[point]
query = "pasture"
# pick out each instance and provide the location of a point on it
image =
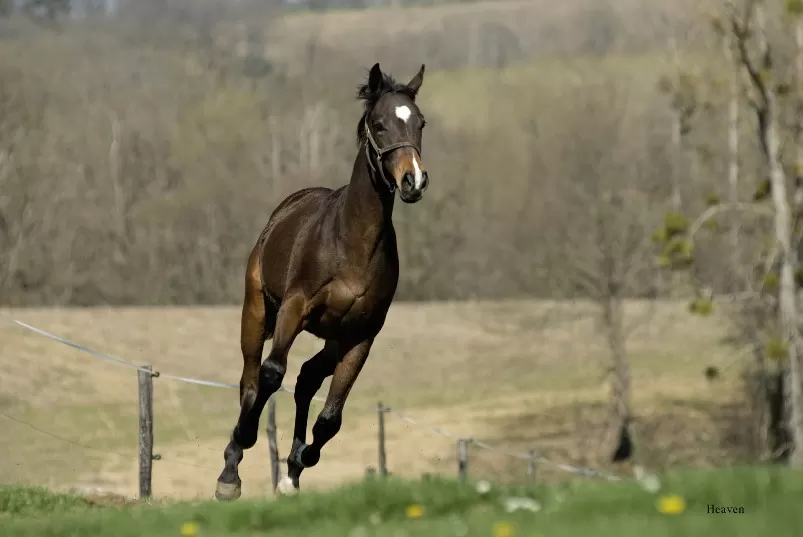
(441, 508)
(518, 374)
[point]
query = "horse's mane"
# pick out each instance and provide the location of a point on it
(370, 97)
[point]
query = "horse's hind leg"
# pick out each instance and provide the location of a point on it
(330, 419)
(258, 382)
(313, 372)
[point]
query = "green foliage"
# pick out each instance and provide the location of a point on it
(678, 246)
(711, 225)
(701, 306)
(660, 236)
(794, 7)
(676, 223)
(763, 190)
(712, 199)
(23, 500)
(776, 349)
(799, 277)
(677, 252)
(771, 282)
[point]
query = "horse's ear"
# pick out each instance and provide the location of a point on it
(374, 78)
(417, 80)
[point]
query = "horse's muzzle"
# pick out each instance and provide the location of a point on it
(409, 191)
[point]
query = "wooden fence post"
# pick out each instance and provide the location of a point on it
(531, 466)
(462, 458)
(383, 463)
(273, 445)
(145, 381)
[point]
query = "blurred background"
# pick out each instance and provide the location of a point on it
(550, 295)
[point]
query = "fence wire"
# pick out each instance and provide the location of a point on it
(538, 458)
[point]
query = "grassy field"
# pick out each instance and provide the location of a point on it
(521, 375)
(766, 502)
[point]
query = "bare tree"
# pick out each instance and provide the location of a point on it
(605, 233)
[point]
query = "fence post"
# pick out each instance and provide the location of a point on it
(145, 381)
(383, 462)
(531, 466)
(462, 458)
(273, 445)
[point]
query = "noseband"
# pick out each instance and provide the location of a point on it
(381, 153)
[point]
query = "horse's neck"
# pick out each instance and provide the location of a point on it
(369, 206)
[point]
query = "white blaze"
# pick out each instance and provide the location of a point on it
(403, 113)
(419, 177)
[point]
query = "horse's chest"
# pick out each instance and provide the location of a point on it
(353, 307)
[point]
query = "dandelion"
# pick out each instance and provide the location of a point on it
(414, 511)
(527, 504)
(503, 529)
(648, 482)
(189, 529)
(483, 487)
(671, 505)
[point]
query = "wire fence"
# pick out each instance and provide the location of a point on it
(532, 459)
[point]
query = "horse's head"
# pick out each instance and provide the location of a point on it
(391, 130)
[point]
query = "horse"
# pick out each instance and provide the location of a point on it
(327, 263)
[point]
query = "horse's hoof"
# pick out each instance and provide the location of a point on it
(286, 487)
(227, 491)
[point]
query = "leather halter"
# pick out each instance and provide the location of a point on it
(381, 153)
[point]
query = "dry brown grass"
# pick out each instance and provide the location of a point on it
(520, 374)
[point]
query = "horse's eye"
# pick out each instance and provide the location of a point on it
(378, 127)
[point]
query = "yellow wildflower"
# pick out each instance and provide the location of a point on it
(414, 511)
(671, 505)
(189, 529)
(503, 529)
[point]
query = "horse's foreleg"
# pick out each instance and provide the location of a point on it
(267, 378)
(330, 419)
(313, 372)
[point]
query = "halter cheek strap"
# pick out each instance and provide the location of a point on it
(381, 153)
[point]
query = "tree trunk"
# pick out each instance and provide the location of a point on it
(733, 157)
(614, 333)
(787, 294)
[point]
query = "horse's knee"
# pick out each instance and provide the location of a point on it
(271, 375)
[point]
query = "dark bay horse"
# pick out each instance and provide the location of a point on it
(327, 263)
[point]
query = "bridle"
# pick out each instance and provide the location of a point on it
(382, 152)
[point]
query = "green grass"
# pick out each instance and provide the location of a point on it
(770, 498)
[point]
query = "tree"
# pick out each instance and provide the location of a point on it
(773, 288)
(604, 233)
